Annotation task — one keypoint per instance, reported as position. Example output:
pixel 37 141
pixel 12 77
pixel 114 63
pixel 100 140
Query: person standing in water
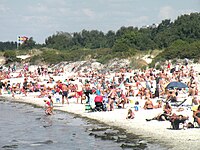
pixel 51 102
pixel 49 106
pixel 48 110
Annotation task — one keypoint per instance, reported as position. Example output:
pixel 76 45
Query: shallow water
pixel 26 128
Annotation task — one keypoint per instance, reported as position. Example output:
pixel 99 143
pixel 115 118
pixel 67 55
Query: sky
pixel 42 18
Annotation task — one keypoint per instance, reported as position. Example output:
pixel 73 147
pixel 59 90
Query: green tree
pixel 120 46
pixel 110 39
pixel 60 40
pixel 8 45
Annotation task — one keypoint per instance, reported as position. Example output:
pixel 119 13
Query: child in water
pixel 49 106
pixel 130 114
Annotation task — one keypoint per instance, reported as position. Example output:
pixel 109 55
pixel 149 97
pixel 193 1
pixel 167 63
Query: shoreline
pixel 153 132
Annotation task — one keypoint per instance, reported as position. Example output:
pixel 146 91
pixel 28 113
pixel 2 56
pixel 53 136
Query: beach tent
pixel 176 84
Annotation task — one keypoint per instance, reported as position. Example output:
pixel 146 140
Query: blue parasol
pixel 176 84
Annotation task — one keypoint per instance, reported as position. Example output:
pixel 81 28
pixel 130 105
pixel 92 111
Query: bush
pixel 105 59
pixel 158 67
pixel 10 56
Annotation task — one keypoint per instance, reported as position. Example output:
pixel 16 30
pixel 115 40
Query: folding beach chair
pixel 178 103
pixel 181 103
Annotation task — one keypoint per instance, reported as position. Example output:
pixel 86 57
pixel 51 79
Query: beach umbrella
pixel 176 84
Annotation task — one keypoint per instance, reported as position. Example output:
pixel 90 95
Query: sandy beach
pixel 21 86
pixel 154 131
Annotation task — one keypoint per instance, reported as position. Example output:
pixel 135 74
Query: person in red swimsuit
pixel 48 110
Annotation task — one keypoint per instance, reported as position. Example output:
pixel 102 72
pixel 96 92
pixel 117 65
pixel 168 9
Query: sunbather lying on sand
pixel 160 117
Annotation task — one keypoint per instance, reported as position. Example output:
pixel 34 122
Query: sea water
pixel 23 127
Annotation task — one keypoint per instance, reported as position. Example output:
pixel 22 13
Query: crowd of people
pixel 143 88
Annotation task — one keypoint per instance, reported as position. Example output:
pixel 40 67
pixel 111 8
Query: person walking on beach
pixel 25 86
pixel 79 90
pixel 186 63
pixel 87 91
pixel 65 93
pixel 112 96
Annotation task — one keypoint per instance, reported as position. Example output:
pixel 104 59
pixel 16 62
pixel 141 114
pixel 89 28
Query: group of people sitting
pixel 175 119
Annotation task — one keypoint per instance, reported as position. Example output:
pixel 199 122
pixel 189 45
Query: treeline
pixel 186 28
pixel 8 45
pixel 179 39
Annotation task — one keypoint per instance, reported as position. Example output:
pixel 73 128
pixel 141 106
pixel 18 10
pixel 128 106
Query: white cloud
pixel 37 20
pixel 138 21
pixel 89 13
pixel 39 8
pixel 55 3
pixel 187 11
pixel 166 12
pixel 63 10
pixel 53 9
pixel 143 18
pixel 3 9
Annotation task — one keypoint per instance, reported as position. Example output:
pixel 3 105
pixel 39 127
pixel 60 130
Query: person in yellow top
pixel 196 115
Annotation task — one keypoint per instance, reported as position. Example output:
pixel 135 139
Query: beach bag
pixel 136 108
pixel 87 107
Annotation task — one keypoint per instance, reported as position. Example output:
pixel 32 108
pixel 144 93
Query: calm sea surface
pixel 23 127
